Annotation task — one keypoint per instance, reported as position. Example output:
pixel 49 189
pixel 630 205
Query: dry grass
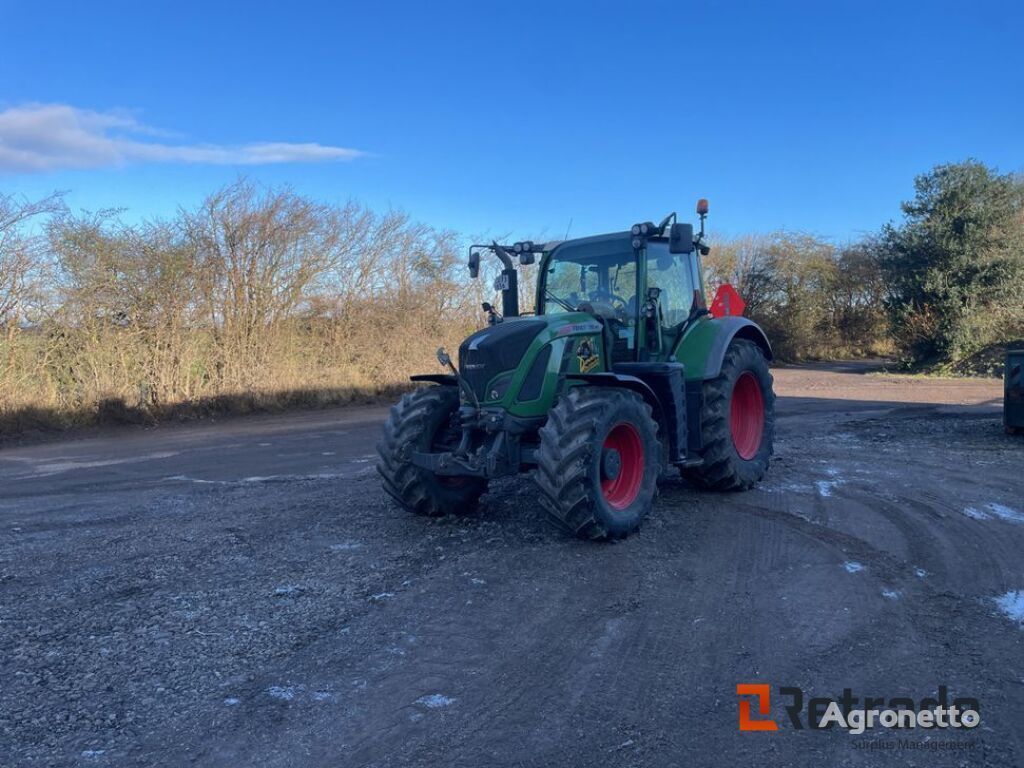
pixel 69 378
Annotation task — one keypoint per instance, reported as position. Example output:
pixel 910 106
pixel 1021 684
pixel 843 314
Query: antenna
pixel 567 229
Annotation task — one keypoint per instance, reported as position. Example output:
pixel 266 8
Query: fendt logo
pixel 855 714
pixel 764 707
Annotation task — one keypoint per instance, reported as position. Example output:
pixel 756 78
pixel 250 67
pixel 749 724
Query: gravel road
pixel 243 594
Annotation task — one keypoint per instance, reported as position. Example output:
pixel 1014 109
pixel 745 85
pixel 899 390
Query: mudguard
pixel 445 379
pixel 702 349
pixel 606 379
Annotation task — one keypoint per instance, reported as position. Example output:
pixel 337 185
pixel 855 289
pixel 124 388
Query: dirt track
pixel 243 594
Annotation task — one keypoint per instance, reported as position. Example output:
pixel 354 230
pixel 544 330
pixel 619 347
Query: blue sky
pixel 513 118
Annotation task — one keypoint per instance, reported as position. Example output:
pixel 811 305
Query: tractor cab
pixel 644 296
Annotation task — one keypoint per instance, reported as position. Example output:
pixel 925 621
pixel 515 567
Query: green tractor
pixel 623 371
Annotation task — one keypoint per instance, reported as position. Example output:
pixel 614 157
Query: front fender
pixel 703 347
pixel 444 379
pixel 641 387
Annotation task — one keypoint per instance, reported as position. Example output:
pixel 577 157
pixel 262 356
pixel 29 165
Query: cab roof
pixel 586 248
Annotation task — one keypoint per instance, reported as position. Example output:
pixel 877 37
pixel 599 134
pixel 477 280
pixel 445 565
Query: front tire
pixel 737 422
pixel 423 421
pixel 598 462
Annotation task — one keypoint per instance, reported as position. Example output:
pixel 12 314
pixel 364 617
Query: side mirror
pixel 474 264
pixel 680 238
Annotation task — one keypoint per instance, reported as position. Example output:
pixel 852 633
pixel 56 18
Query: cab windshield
pixel 606 284
pixel 603 284
pixel 601 278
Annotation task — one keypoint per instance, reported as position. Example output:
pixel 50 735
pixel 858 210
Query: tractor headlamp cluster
pixel 642 231
pixel 525 250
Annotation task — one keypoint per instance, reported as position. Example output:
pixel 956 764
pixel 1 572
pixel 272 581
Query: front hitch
pixel 492 461
pixel 495 457
pixel 448 464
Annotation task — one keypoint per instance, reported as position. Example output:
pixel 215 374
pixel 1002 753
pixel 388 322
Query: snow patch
pixel 257 479
pixel 232 702
pixel 435 701
pixel 323 696
pixel 787 488
pixel 994 510
pixel 920 573
pixel 281 692
pixel 346 546
pixel 1006 513
pixel 288 590
pixel 852 566
pixel 59 467
pixel 825 487
pixel 891 594
pixel 1012 604
pixel 93 754
pixel 381 597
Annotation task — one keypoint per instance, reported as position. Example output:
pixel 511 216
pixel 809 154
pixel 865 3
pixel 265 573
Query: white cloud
pixel 49 137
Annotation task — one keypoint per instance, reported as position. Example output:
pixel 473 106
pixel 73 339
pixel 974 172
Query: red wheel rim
pixel 746 416
pixel 622 490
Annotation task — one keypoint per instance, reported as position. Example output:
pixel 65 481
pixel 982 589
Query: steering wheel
pixel 611 298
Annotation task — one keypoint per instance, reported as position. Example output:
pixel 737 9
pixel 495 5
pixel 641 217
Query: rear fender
pixel 702 350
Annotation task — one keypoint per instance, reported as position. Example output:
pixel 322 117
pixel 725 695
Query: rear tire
pixel 423 421
pixel 598 462
pixel 737 422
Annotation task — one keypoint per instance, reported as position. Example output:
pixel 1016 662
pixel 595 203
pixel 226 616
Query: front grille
pixel 495 349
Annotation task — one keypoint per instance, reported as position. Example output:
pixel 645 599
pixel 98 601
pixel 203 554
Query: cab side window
pixel 673 274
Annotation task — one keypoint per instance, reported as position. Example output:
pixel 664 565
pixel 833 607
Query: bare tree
pixel 263 254
pixel 745 263
pixel 22 255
